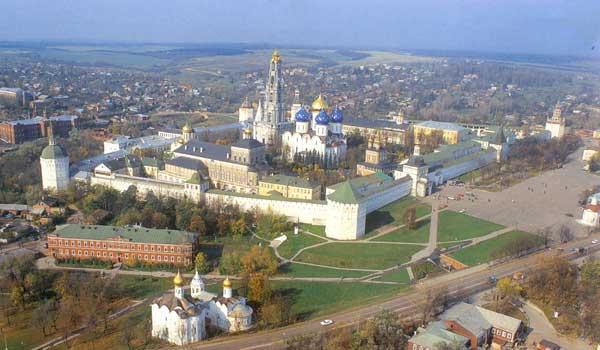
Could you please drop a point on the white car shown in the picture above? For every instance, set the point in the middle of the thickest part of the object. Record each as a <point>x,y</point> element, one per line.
<point>326,322</point>
<point>595,241</point>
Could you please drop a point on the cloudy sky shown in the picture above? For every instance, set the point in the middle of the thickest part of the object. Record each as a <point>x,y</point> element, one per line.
<point>524,26</point>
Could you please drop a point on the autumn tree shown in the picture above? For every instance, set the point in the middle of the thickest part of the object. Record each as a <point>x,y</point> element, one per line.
<point>259,260</point>
<point>410,217</point>
<point>198,225</point>
<point>201,263</point>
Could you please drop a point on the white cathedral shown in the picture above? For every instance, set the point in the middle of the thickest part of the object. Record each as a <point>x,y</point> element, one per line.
<point>317,136</point>
<point>183,316</point>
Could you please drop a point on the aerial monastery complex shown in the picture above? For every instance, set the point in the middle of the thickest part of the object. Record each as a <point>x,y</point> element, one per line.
<point>239,174</point>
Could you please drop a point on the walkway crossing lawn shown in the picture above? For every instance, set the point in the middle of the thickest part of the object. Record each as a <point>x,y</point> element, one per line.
<point>393,213</point>
<point>312,299</point>
<point>496,247</point>
<point>294,243</point>
<point>301,270</point>
<point>403,234</point>
<point>316,229</point>
<point>359,255</point>
<point>455,226</point>
<point>400,276</point>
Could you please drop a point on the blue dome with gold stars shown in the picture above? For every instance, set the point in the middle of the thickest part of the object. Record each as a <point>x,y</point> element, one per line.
<point>337,116</point>
<point>302,115</point>
<point>322,118</point>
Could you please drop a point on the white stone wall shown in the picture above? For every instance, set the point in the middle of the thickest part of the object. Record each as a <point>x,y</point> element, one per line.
<point>145,185</point>
<point>245,114</point>
<point>442,175</point>
<point>55,174</point>
<point>345,221</point>
<point>301,211</point>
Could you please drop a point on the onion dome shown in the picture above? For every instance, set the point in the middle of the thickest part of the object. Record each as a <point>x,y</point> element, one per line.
<point>53,151</point>
<point>302,115</point>
<point>178,280</point>
<point>227,283</point>
<point>319,103</point>
<point>322,118</point>
<point>337,116</point>
<point>187,128</point>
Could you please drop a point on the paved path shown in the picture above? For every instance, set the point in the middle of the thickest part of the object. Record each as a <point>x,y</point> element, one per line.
<point>433,231</point>
<point>543,329</point>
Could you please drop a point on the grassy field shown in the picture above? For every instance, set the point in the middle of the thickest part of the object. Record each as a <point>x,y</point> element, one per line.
<point>296,242</point>
<point>312,299</point>
<point>486,250</point>
<point>393,213</point>
<point>455,226</point>
<point>316,229</point>
<point>359,255</point>
<point>215,247</point>
<point>400,275</point>
<point>403,234</point>
<point>301,270</point>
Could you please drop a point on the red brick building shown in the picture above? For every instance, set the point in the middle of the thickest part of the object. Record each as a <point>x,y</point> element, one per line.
<point>19,131</point>
<point>120,244</point>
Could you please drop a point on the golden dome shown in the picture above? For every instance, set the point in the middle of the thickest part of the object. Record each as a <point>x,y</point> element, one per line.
<point>276,57</point>
<point>319,103</point>
<point>187,128</point>
<point>180,141</point>
<point>178,280</point>
<point>227,283</point>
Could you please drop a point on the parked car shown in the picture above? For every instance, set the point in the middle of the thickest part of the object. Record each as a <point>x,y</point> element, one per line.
<point>326,322</point>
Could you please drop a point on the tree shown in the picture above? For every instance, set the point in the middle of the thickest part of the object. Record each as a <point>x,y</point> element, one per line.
<point>44,316</point>
<point>230,264</point>
<point>565,234</point>
<point>259,260</point>
<point>17,296</point>
<point>384,331</point>
<point>201,263</point>
<point>276,312</point>
<point>410,217</point>
<point>198,225</point>
<point>259,289</point>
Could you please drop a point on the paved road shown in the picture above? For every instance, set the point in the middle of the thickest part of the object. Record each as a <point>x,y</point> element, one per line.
<point>459,285</point>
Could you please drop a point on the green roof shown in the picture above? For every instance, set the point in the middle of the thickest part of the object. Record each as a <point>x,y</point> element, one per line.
<point>139,235</point>
<point>344,193</point>
<point>286,180</point>
<point>53,152</point>
<point>446,151</point>
<point>354,190</point>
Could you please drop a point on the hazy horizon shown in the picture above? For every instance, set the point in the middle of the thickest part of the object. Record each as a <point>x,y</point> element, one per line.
<point>556,27</point>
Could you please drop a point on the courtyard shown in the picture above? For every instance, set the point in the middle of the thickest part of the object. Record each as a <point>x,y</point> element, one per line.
<point>548,200</point>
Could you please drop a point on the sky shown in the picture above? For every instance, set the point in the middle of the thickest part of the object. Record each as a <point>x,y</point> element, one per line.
<point>561,27</point>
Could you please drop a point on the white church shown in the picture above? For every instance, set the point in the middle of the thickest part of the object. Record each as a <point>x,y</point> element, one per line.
<point>183,316</point>
<point>54,162</point>
<point>318,135</point>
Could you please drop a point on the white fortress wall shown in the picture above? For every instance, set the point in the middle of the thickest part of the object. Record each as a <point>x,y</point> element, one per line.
<point>399,190</point>
<point>309,212</point>
<point>446,173</point>
<point>145,185</point>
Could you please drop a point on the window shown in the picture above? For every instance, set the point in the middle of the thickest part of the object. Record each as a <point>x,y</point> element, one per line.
<point>85,253</point>
<point>72,243</point>
<point>110,254</point>
<point>79,243</point>
<point>503,334</point>
<point>152,257</point>
<point>158,249</point>
<point>79,252</point>
<point>178,259</point>
<point>145,257</point>
<point>172,259</point>
<point>152,248</point>
<point>159,258</point>
<point>85,244</point>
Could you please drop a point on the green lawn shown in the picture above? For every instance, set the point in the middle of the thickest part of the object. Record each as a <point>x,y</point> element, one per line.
<point>403,234</point>
<point>296,242</point>
<point>455,226</point>
<point>301,270</point>
<point>393,213</point>
<point>359,255</point>
<point>312,299</point>
<point>316,229</point>
<point>215,247</point>
<point>400,275</point>
<point>487,250</point>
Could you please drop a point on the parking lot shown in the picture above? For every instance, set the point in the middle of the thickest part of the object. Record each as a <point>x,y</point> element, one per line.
<point>548,200</point>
